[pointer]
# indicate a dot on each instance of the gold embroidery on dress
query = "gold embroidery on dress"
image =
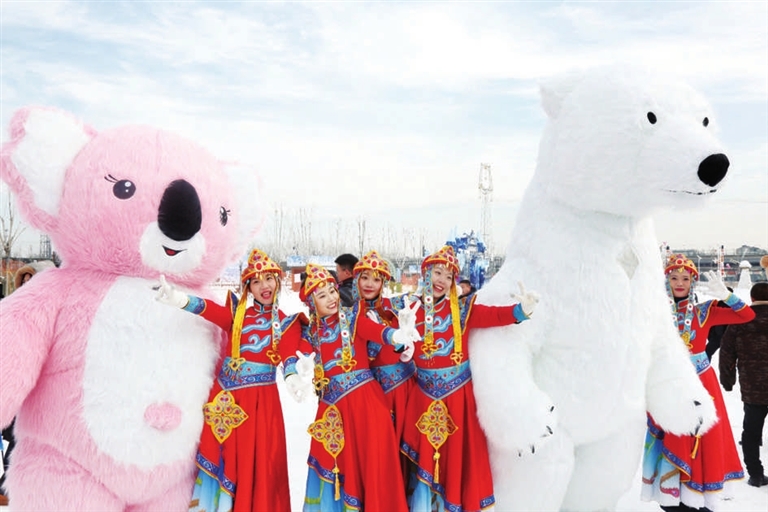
(436, 424)
(235, 363)
(223, 415)
(456, 357)
(329, 431)
(273, 354)
(429, 347)
(687, 339)
(320, 380)
(347, 362)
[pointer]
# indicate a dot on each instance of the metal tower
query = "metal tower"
(485, 187)
(45, 247)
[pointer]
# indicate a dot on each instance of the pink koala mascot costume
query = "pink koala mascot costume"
(108, 385)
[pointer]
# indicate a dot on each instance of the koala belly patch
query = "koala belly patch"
(148, 368)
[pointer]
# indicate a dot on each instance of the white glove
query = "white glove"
(296, 387)
(167, 294)
(305, 366)
(373, 316)
(527, 300)
(407, 354)
(714, 286)
(406, 317)
(404, 337)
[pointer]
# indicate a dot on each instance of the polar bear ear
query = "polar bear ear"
(43, 144)
(554, 91)
(248, 203)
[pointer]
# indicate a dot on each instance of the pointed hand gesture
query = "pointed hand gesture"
(305, 366)
(406, 317)
(527, 300)
(168, 294)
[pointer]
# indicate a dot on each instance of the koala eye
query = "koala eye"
(122, 189)
(651, 117)
(705, 122)
(223, 215)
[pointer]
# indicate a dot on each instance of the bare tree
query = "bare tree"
(10, 231)
(361, 234)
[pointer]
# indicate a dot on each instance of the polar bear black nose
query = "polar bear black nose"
(180, 216)
(713, 169)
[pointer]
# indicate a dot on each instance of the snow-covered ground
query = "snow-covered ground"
(299, 416)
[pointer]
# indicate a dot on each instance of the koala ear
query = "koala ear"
(247, 205)
(555, 90)
(43, 144)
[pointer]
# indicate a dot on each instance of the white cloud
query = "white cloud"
(352, 101)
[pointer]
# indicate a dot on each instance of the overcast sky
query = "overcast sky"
(348, 102)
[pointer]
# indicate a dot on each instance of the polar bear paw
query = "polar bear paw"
(529, 426)
(684, 415)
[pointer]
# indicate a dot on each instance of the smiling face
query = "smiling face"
(326, 300)
(369, 284)
(442, 280)
(680, 284)
(263, 287)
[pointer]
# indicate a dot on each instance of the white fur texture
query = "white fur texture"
(138, 367)
(53, 139)
(601, 346)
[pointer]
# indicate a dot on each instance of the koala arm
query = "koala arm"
(675, 397)
(27, 320)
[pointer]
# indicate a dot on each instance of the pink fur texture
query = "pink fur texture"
(106, 384)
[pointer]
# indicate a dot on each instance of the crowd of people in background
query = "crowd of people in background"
(396, 425)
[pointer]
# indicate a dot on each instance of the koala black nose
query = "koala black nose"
(712, 169)
(180, 216)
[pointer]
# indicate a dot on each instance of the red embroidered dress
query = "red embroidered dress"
(242, 456)
(683, 468)
(395, 377)
(353, 459)
(442, 435)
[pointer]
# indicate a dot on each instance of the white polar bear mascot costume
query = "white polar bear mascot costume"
(563, 398)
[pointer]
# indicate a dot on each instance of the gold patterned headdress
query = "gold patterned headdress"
(445, 256)
(681, 263)
(317, 277)
(372, 261)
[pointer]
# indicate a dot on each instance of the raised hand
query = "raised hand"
(168, 294)
(305, 366)
(714, 286)
(406, 317)
(372, 315)
(527, 300)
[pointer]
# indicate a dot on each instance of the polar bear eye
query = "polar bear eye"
(651, 118)
(223, 215)
(705, 122)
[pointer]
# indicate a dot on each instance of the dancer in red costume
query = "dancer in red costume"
(688, 472)
(394, 375)
(442, 435)
(242, 458)
(353, 460)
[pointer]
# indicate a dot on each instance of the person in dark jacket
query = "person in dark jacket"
(745, 347)
(345, 266)
(716, 332)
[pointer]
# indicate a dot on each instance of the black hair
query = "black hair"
(759, 291)
(346, 261)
